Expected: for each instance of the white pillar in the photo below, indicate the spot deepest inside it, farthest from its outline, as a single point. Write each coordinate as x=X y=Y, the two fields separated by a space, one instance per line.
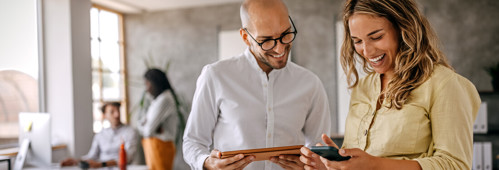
x=67 y=72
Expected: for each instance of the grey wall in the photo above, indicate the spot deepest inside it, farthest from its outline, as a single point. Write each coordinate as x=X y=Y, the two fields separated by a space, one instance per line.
x=188 y=38
x=468 y=30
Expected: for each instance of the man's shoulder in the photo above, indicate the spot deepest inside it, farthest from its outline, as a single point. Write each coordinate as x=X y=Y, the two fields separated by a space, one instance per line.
x=300 y=71
x=231 y=64
x=127 y=129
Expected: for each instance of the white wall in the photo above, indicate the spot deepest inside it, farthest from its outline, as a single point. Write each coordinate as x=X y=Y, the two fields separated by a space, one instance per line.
x=18 y=42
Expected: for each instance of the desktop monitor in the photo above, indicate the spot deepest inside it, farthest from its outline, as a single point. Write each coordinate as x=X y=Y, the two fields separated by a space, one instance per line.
x=35 y=128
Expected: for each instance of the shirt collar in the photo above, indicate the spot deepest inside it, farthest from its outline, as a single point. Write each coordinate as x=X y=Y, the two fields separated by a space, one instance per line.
x=252 y=59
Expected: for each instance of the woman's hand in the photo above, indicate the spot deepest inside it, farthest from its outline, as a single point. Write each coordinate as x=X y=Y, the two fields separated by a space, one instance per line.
x=359 y=160
x=312 y=160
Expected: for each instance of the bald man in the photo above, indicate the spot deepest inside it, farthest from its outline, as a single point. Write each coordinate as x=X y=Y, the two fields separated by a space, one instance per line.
x=257 y=99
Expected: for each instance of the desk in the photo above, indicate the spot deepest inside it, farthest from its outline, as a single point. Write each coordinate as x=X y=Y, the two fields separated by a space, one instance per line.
x=12 y=152
x=57 y=166
x=6 y=158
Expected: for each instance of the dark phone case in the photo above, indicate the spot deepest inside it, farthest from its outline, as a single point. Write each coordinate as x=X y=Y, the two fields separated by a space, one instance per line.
x=329 y=152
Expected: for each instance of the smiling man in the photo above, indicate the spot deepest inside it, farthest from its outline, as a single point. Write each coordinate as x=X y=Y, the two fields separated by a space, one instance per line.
x=258 y=99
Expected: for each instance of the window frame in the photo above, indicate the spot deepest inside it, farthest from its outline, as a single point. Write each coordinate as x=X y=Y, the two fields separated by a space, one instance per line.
x=123 y=70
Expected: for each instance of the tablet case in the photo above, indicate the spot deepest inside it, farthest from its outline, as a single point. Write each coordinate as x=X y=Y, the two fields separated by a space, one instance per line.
x=264 y=153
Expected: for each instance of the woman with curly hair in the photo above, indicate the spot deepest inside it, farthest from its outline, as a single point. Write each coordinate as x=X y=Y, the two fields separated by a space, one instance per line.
x=412 y=110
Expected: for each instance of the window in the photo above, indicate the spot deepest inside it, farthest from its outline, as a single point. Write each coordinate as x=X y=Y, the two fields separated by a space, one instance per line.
x=108 y=71
x=18 y=66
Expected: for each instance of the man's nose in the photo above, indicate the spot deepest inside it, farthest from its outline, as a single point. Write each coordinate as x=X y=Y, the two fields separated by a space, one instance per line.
x=279 y=47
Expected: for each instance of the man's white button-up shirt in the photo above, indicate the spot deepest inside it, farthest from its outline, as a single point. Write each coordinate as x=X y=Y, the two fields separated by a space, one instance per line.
x=235 y=107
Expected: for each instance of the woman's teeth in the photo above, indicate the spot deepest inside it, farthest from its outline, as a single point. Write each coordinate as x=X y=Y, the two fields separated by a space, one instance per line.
x=277 y=56
x=375 y=60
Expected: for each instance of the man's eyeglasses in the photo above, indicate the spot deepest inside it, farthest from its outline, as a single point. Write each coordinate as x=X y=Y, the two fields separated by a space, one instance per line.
x=285 y=38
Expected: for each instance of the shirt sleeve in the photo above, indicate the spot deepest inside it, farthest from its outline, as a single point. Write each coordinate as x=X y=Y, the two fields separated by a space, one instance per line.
x=93 y=153
x=157 y=112
x=319 y=117
x=201 y=123
x=453 y=109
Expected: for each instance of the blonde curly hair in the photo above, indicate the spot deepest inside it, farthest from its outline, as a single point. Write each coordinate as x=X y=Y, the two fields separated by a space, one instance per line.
x=418 y=51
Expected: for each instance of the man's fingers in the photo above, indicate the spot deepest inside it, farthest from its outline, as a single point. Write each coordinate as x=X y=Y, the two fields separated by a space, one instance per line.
x=215 y=153
x=241 y=163
x=328 y=141
x=281 y=162
x=233 y=159
x=293 y=158
x=245 y=164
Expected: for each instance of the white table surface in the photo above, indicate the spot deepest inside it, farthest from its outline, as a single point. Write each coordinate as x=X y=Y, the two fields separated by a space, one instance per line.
x=58 y=166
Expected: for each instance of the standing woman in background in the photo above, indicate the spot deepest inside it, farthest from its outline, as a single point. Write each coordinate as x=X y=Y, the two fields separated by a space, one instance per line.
x=412 y=111
x=159 y=124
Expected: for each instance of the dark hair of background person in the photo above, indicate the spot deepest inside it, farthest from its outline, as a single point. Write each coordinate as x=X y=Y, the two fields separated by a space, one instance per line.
x=115 y=104
x=159 y=81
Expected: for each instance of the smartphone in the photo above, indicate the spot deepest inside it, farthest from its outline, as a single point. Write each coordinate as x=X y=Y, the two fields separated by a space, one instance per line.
x=329 y=152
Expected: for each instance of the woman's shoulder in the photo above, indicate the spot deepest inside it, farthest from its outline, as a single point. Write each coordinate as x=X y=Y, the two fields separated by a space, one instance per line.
x=441 y=72
x=165 y=96
x=445 y=77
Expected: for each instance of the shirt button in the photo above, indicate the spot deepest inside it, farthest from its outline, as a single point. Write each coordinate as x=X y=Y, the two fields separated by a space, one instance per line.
x=270 y=109
x=264 y=85
x=269 y=135
x=365 y=132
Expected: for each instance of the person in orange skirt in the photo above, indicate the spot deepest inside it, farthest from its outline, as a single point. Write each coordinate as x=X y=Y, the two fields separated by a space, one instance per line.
x=158 y=122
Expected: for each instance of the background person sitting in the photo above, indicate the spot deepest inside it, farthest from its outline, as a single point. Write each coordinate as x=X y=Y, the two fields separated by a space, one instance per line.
x=106 y=144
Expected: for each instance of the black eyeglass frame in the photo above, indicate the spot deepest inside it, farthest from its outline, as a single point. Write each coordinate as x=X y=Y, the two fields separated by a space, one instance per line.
x=275 y=40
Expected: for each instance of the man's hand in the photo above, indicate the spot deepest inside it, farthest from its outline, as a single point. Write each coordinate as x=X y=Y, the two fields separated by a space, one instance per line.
x=94 y=164
x=236 y=162
x=288 y=162
x=69 y=162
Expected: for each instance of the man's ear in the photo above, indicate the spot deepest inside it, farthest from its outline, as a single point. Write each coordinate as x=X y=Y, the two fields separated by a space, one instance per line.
x=244 y=35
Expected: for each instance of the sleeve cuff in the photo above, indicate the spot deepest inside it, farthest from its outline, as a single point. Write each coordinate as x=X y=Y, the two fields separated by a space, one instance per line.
x=424 y=163
x=200 y=163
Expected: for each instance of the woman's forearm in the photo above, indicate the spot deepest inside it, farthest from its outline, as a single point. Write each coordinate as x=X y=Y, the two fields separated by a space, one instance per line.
x=387 y=163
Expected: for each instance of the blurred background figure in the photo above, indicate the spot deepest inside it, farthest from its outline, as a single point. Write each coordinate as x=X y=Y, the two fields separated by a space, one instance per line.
x=158 y=122
x=106 y=144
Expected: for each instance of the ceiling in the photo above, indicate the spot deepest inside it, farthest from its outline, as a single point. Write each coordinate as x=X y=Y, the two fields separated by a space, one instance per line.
x=139 y=6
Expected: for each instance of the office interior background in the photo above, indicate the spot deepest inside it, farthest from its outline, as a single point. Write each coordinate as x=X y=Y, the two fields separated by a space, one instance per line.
x=65 y=57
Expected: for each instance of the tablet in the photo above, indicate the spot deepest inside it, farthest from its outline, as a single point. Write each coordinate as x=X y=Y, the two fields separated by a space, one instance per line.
x=265 y=153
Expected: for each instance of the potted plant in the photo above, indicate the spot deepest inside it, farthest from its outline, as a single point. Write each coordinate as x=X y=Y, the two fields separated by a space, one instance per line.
x=494 y=73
